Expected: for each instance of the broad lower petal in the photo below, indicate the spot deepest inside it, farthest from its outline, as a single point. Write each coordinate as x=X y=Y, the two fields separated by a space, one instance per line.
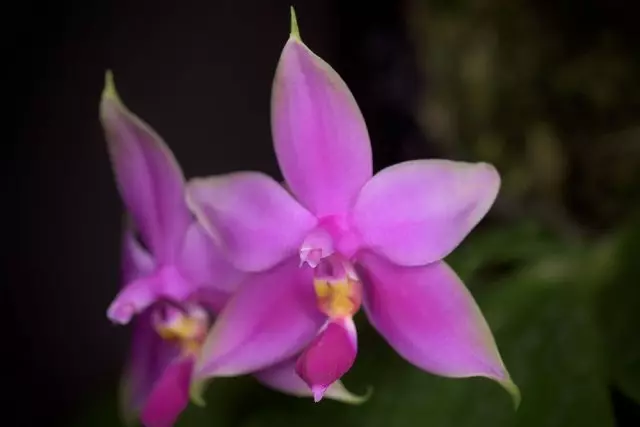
x=148 y=177
x=283 y=377
x=429 y=317
x=329 y=356
x=270 y=318
x=417 y=212
x=169 y=396
x=319 y=134
x=257 y=222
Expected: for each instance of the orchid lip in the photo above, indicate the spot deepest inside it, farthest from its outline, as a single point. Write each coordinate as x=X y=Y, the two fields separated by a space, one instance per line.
x=318 y=392
x=332 y=353
x=329 y=356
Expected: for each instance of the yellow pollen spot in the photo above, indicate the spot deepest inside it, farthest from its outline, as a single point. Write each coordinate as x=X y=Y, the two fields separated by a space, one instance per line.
x=337 y=298
x=187 y=331
x=322 y=288
x=191 y=346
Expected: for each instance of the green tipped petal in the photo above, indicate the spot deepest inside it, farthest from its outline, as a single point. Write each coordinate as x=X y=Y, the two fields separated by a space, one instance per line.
x=513 y=390
x=319 y=135
x=109 y=91
x=150 y=183
x=295 y=32
x=284 y=378
x=339 y=392
x=128 y=414
x=196 y=392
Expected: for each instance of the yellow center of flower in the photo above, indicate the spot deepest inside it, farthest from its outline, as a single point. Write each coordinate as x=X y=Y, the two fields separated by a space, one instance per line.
x=338 y=298
x=187 y=331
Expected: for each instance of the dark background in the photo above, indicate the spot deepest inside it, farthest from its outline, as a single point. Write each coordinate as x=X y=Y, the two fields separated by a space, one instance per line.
x=553 y=101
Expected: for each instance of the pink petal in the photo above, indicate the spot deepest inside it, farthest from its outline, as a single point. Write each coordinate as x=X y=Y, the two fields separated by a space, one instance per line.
x=329 y=356
x=138 y=295
x=151 y=362
x=170 y=395
x=270 y=318
x=429 y=317
x=204 y=265
x=417 y=212
x=283 y=377
x=202 y=274
x=134 y=298
x=148 y=176
x=258 y=223
x=149 y=354
x=135 y=260
x=149 y=357
x=320 y=136
x=210 y=298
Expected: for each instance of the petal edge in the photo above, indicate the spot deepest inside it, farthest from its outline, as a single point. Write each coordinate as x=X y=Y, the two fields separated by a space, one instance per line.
x=417 y=212
x=319 y=134
x=247 y=212
x=429 y=317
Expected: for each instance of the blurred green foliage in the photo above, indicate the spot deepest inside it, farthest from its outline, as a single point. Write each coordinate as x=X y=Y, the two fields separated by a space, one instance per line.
x=620 y=314
x=546 y=90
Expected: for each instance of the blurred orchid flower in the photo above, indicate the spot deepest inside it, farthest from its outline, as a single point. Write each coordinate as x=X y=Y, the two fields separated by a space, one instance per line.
x=183 y=258
x=175 y=278
x=335 y=238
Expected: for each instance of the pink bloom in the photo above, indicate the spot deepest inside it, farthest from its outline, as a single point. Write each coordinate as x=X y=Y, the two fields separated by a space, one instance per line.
x=175 y=278
x=182 y=257
x=338 y=238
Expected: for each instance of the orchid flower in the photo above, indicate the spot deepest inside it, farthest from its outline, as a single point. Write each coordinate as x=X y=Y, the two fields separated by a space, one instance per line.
x=166 y=340
x=173 y=287
x=350 y=239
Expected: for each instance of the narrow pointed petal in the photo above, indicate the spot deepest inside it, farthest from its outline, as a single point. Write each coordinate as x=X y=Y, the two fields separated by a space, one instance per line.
x=270 y=318
x=429 y=317
x=148 y=176
x=170 y=395
x=319 y=134
x=283 y=377
x=257 y=222
x=417 y=212
x=203 y=263
x=329 y=356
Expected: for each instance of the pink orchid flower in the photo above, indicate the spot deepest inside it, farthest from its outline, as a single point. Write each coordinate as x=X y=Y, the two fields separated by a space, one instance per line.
x=337 y=238
x=174 y=287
